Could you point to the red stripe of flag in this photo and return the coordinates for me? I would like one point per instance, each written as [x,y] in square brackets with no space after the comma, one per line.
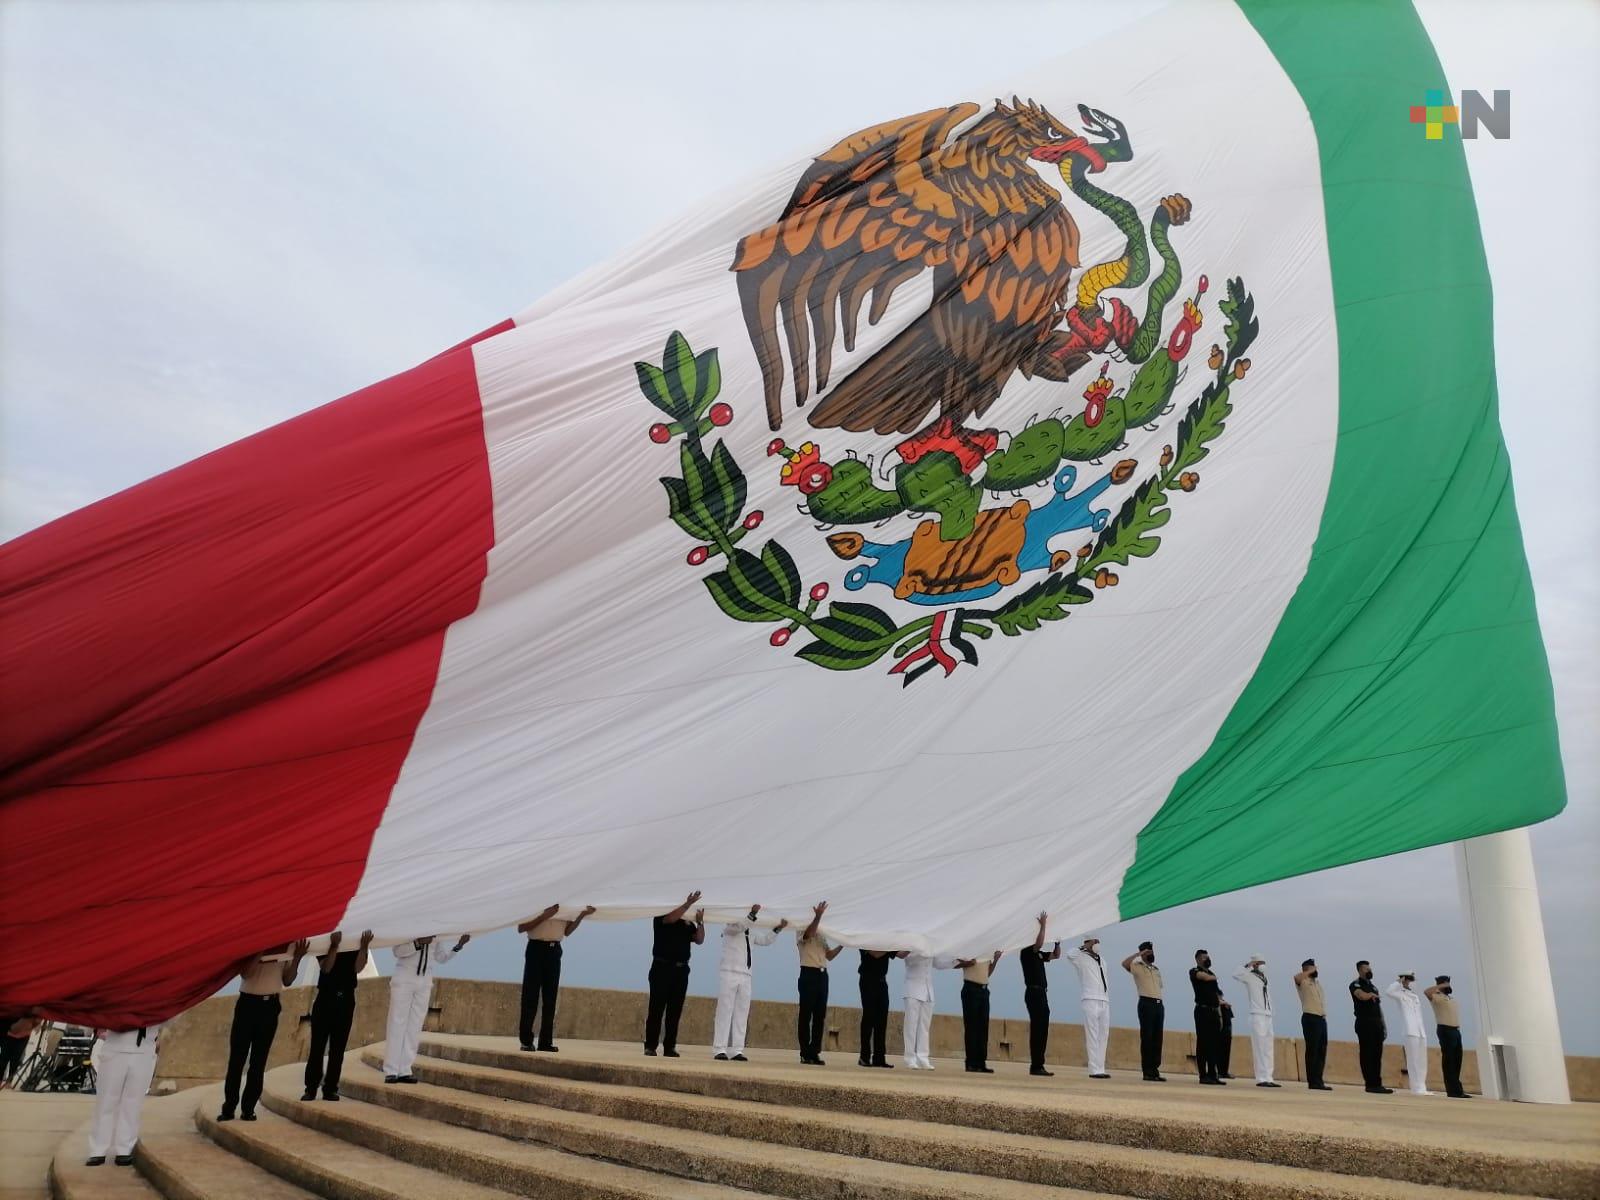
[211,682]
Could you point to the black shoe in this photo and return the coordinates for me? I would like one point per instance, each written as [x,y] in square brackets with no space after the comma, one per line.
[1102,1075]
[1223,1075]
[981,1070]
[1040,1071]
[99,1160]
[816,1061]
[550,1049]
[1160,1079]
[526,1047]
[330,1095]
[887,1066]
[719,1057]
[738,1058]
[1381,1091]
[669,1054]
[225,1115]
[407,1079]
[123,1160]
[1267,1083]
[1319,1087]
[308,1094]
[247,1116]
[650,1051]
[1459,1095]
[391,1079]
[1212,1080]
[861,1062]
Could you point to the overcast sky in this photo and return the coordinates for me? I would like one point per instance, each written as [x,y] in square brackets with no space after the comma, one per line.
[215,216]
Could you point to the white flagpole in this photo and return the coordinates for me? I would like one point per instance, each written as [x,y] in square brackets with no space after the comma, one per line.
[1519,1038]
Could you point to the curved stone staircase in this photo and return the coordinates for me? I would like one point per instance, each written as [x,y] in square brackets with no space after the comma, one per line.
[600,1122]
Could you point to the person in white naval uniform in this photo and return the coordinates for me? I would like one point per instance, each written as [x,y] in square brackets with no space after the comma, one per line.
[1261,1039]
[410,987]
[733,983]
[1095,1001]
[919,1006]
[1416,1035]
[127,1065]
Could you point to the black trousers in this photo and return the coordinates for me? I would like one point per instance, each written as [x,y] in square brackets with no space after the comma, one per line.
[1225,1042]
[331,1014]
[1152,1022]
[669,983]
[1450,1059]
[255,1023]
[874,1019]
[541,979]
[813,1010]
[1207,1036]
[975,1022]
[1038,1001]
[1370,1036]
[1314,1030]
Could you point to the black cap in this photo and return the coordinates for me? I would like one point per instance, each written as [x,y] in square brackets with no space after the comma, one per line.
[1310,962]
[1441,979]
[1146,946]
[1198,953]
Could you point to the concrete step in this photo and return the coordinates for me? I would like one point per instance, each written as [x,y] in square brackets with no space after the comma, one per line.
[677,1155]
[467,1164]
[183,1164]
[328,1166]
[1323,1147]
[615,1118]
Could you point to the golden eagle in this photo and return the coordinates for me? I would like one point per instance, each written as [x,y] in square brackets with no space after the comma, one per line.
[885,205]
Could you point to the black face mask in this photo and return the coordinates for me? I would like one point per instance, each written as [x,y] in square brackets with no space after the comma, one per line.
[1447,989]
[1149,956]
[1312,974]
[1205,964]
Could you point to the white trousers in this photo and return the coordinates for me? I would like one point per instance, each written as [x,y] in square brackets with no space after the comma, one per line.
[1096,1029]
[1261,1045]
[733,1013]
[120,1084]
[408,1009]
[919,1020]
[1417,1064]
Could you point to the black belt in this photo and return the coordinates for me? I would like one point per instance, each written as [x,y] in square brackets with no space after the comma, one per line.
[824,970]
[1152,999]
[671,962]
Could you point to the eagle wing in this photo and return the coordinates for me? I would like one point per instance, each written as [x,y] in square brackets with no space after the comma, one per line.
[867,215]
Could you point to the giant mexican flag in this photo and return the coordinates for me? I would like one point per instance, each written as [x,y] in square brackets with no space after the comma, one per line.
[1089,501]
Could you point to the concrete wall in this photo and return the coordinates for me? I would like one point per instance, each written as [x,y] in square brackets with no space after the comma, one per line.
[194,1049]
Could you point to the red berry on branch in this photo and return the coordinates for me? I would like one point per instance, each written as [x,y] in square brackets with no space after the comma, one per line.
[775,446]
[753,519]
[660,433]
[779,637]
[720,414]
[698,555]
[820,592]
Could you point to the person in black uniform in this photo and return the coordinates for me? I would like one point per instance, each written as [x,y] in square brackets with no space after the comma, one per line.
[1370,1029]
[1207,1018]
[1036,996]
[675,936]
[874,973]
[332,1012]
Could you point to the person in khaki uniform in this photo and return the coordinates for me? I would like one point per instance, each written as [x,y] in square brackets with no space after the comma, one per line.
[541,974]
[1152,1011]
[255,1024]
[1447,1014]
[975,974]
[815,955]
[1313,1023]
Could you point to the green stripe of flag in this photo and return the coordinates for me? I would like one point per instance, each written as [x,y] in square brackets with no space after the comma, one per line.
[1405,699]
